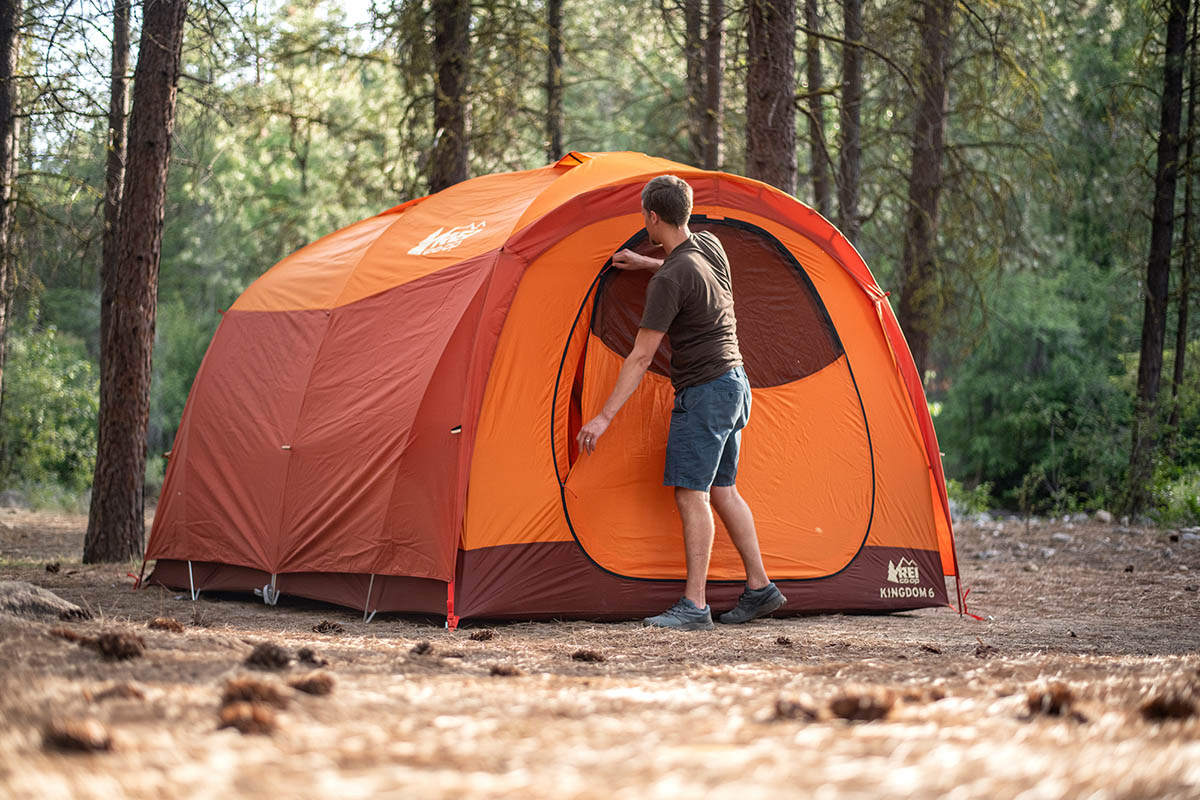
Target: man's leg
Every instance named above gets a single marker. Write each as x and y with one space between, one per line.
696 514
739 521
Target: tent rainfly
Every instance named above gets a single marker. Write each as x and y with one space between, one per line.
386 419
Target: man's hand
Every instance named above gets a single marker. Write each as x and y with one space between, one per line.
589 433
627 259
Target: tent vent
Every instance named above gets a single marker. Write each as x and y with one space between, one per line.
456 429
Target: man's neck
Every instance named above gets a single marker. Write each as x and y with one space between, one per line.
673 237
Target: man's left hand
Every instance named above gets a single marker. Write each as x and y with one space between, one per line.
591 432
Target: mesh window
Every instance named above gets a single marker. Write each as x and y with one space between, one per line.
783 329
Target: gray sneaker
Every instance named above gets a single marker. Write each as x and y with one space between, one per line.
754 603
683 616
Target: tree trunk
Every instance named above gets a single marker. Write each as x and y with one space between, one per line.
554 81
451 54
1185 265
693 55
822 188
118 113
10 134
713 58
1158 265
770 93
918 300
850 158
115 521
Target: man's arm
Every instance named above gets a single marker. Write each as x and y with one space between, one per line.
635 366
627 259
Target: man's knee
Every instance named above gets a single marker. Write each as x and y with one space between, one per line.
685 496
723 495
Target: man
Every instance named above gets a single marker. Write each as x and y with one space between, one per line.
690 299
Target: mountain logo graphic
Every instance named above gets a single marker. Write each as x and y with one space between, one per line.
442 239
904 572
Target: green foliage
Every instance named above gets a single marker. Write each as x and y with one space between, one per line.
974 500
1037 410
1177 500
50 407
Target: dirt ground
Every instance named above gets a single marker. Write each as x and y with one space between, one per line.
1111 613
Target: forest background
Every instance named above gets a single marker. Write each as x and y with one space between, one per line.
295 119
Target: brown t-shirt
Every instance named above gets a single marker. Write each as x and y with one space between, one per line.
691 298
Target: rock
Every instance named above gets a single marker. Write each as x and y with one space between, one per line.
1080 517
1047 552
983 555
1065 538
1103 517
1189 537
12 498
33 602
1030 567
982 518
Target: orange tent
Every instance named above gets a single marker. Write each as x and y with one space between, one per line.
386 418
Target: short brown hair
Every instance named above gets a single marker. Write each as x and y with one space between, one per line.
670 198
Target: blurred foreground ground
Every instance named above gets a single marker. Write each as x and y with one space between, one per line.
1112 612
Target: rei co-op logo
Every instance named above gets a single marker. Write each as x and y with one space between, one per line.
442 240
905 572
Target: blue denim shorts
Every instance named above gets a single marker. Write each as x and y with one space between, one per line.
706 432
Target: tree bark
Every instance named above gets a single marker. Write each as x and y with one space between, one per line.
10 134
116 531
850 156
452 54
770 93
118 118
1158 265
693 56
1185 264
822 186
554 81
918 300
713 58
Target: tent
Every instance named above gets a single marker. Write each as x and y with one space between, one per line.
385 419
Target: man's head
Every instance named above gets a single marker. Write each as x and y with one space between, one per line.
666 201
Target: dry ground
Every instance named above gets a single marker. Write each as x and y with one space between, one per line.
663 715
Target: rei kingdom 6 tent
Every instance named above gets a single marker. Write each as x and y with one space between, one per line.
386 419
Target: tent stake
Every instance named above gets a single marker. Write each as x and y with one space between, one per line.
367 605
192 583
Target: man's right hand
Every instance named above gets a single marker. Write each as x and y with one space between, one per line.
627 259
